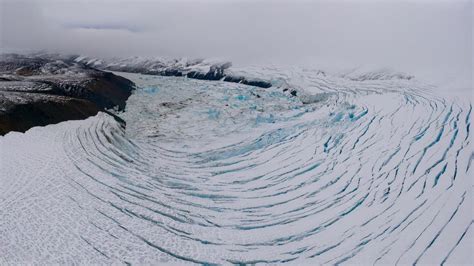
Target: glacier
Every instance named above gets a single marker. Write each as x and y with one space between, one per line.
355 168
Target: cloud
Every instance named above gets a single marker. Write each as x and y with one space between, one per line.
87 26
406 35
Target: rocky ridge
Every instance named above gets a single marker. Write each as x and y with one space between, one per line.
38 89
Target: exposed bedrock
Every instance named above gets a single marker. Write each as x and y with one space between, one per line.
22 111
40 90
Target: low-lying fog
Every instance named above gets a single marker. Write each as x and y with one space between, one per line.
431 39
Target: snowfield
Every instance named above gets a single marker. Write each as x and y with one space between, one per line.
370 168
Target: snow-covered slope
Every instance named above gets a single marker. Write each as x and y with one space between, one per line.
209 69
374 170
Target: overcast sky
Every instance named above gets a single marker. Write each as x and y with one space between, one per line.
405 35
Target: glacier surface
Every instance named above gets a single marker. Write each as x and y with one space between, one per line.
371 168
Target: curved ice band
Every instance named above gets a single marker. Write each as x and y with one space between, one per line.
376 172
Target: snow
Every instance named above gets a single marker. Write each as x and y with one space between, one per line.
373 170
156 64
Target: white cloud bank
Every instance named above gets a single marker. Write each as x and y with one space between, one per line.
412 36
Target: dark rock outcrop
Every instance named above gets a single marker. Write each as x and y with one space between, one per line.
22 111
243 80
39 90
